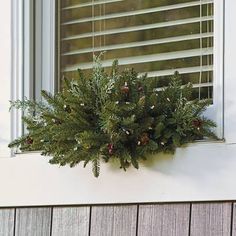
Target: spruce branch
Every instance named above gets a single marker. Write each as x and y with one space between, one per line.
96 167
116 115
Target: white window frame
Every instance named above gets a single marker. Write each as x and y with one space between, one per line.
201 171
43 68
34 57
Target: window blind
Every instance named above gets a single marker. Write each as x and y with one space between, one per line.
153 37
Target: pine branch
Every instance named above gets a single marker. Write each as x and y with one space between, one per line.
96 167
117 115
17 142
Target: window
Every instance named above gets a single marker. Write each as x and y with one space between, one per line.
154 37
34 53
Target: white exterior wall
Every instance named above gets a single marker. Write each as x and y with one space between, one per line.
201 171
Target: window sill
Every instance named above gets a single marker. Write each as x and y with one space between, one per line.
200 172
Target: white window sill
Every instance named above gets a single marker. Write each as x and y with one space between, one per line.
200 172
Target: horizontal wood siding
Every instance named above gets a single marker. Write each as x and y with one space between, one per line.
211 219
7 222
113 220
33 222
164 220
194 219
233 219
70 221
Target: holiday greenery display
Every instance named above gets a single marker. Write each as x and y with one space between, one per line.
120 115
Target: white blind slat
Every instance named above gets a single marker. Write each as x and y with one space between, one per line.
188 70
138 12
91 3
140 44
148 58
206 85
88 28
141 27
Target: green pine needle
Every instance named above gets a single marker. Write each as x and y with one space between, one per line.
119 115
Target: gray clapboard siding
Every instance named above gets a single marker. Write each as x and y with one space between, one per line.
164 220
33 222
113 220
233 220
211 219
7 222
70 221
187 219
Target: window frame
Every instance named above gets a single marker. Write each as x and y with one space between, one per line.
216 112
33 64
43 61
190 176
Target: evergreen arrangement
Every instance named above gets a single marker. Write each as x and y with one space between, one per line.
119 115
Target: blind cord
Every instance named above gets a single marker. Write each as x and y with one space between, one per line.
104 26
212 29
201 49
208 56
93 28
100 26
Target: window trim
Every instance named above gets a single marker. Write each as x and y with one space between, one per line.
41 62
34 54
44 61
16 66
218 67
229 73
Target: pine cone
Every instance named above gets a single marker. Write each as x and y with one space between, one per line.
125 89
110 148
197 123
29 140
144 139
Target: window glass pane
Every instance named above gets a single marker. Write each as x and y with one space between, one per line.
159 37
